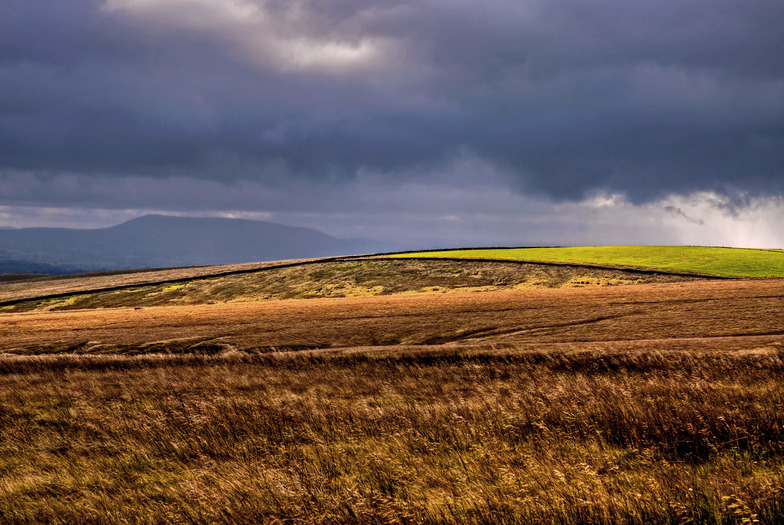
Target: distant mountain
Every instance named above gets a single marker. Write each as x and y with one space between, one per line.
161 241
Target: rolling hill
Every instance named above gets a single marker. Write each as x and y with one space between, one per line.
374 389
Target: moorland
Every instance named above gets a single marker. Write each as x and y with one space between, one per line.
390 390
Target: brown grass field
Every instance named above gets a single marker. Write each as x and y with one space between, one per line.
340 277
24 287
648 403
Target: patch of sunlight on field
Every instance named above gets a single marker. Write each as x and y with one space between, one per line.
730 262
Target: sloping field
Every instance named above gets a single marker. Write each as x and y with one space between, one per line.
658 403
47 286
730 262
727 314
344 277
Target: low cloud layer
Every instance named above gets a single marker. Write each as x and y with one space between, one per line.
422 212
361 109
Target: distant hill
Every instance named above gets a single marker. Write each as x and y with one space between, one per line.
162 241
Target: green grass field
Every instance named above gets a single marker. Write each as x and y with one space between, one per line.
730 262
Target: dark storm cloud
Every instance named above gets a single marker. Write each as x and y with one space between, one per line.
566 97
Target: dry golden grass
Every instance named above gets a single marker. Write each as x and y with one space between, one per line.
657 403
428 436
78 283
715 314
301 279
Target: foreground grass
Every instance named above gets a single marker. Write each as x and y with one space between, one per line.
433 436
730 262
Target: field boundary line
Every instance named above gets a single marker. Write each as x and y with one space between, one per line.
340 258
637 269
156 282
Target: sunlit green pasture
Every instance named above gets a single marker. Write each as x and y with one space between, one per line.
731 262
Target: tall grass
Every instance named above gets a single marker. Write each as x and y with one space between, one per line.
730 262
431 436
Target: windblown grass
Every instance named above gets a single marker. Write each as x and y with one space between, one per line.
431 436
730 262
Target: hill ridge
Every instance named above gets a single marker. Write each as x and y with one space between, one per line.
153 240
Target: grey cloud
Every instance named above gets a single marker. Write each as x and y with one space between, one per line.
566 98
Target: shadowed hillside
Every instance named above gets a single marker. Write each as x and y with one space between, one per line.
158 241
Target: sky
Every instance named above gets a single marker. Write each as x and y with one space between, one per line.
419 123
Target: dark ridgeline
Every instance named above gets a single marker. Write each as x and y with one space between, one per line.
161 241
